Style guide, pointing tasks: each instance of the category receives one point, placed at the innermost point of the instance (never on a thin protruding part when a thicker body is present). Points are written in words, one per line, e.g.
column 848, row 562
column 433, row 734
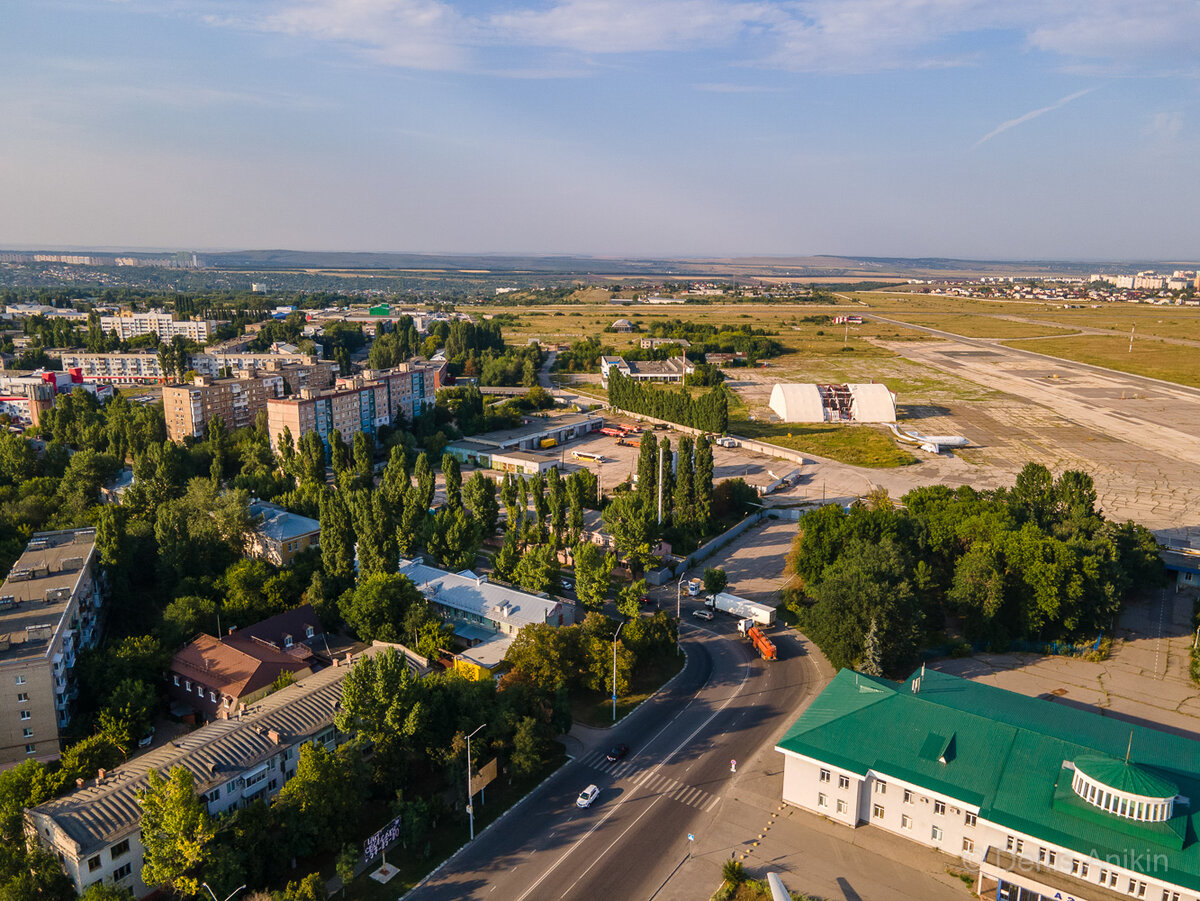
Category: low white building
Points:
column 833, row 403
column 1048, row 801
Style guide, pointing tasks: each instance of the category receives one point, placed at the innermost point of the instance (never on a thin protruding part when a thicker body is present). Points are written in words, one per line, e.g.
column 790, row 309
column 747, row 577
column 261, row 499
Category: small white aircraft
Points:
column 931, row 443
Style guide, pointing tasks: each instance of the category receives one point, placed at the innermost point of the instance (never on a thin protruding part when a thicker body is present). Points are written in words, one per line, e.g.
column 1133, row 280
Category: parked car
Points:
column 566, row 584
column 647, row 601
column 147, row 740
column 702, row 614
column 587, row 796
column 617, row 753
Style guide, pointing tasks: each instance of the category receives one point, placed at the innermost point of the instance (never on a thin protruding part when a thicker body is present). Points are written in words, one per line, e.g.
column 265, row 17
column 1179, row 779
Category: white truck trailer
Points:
column 742, row 608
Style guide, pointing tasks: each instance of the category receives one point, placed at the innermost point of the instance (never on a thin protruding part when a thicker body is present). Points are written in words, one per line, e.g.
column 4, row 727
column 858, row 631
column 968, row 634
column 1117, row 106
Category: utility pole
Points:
column 614, row 687
column 1132, row 329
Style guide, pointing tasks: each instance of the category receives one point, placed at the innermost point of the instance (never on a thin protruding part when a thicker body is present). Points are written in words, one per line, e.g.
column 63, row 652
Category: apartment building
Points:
column 188, row 408
column 128, row 368
column 49, row 609
column 1048, row 800
column 94, row 830
column 280, row 534
column 298, row 370
column 130, row 325
column 360, row 403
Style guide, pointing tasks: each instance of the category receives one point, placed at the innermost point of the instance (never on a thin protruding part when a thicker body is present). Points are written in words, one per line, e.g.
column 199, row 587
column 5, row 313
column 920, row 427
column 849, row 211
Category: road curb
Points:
column 534, row 790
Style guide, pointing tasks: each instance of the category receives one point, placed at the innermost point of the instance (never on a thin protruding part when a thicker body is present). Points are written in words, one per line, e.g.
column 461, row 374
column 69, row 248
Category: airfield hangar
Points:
column 833, row 403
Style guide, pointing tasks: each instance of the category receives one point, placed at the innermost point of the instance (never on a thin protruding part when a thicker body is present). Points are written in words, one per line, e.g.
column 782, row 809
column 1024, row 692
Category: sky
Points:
column 984, row 129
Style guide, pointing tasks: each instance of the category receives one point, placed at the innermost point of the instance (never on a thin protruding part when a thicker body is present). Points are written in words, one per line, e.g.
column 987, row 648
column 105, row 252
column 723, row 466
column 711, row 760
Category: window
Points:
column 936, row 833
column 215, row 795
column 212, row 696
column 1075, row 866
column 905, row 821
column 1083, row 868
column 22, row 697
column 1009, row 844
column 970, row 818
column 968, row 845
column 187, row 685
column 28, row 732
column 122, row 871
column 822, row 801
column 308, row 632
column 1112, row 878
column 230, row 786
column 25, row 715
column 1051, row 857
column 877, row 811
column 939, row 807
column 20, row 680
column 1103, row 876
column 843, row 781
column 121, row 847
column 30, row 749
column 1169, row 895
column 175, row 679
column 881, row 788
column 1020, row 845
column 1041, row 855
column 841, row 806
column 93, row 863
column 287, row 643
column 907, row 796
column 824, row 775
column 200, row 690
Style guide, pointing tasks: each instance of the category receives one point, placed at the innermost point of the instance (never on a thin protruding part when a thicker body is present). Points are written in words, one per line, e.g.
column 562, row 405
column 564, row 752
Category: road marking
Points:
column 713, row 804
column 683, row 744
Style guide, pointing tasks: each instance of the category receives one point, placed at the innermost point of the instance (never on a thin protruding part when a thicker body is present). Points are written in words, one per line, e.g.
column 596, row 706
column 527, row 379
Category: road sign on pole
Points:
column 733, row 766
column 691, row 838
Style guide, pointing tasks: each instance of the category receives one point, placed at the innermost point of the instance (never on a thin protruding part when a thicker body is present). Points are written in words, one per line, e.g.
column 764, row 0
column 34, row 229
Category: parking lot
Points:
column 620, row 462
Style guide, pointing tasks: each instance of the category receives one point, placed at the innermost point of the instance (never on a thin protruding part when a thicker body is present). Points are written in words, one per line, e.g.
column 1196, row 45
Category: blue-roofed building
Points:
column 1049, row 801
column 281, row 535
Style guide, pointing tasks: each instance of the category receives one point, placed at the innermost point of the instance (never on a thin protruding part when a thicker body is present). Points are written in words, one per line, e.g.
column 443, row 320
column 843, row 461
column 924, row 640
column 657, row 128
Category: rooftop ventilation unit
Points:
column 37, row 544
column 39, row 632
column 70, row 564
column 57, row 594
column 20, row 575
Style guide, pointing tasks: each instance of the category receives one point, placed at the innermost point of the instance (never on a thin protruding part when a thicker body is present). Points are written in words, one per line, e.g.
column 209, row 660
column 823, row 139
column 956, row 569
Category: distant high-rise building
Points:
column 189, row 408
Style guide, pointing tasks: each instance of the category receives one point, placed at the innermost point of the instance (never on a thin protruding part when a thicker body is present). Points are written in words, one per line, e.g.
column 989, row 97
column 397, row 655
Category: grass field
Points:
column 1177, row 363
column 858, row 445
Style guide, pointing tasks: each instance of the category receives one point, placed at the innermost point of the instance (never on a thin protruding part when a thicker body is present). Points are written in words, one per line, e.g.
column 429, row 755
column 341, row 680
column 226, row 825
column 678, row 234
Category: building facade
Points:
column 94, row 830
column 130, row 325
column 671, row 370
column 360, row 403
column 188, row 408
column 49, row 610
column 1049, row 801
column 281, row 535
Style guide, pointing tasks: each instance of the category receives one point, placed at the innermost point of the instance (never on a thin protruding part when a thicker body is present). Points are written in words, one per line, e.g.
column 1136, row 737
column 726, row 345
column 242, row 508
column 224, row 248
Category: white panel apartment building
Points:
column 1049, row 801
column 49, row 606
column 129, row 325
column 95, row 831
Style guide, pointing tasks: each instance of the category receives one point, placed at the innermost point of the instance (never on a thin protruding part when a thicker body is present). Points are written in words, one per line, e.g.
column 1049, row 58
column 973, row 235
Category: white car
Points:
column 587, row 796
column 702, row 614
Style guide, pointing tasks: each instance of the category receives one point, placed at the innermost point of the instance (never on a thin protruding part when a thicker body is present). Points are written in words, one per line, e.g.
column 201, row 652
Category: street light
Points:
column 470, row 806
column 614, row 698
column 231, row 894
column 678, row 589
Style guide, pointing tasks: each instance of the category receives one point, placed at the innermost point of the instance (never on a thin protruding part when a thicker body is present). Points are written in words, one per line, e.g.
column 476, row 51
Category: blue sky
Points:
column 968, row 128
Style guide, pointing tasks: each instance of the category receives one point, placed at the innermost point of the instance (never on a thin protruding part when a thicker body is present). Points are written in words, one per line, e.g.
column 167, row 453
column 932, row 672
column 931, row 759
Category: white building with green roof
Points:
column 1050, row 801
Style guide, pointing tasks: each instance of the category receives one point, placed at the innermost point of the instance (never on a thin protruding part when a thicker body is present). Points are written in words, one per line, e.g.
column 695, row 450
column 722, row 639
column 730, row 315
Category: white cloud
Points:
column 1032, row 114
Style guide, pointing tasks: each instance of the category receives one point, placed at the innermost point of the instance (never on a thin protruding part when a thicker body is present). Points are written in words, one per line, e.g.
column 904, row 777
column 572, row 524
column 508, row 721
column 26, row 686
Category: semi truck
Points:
column 742, row 608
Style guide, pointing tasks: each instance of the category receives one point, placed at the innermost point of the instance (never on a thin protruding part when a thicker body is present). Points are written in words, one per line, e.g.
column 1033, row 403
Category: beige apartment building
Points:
column 49, row 607
column 129, row 325
column 188, row 408
column 359, row 403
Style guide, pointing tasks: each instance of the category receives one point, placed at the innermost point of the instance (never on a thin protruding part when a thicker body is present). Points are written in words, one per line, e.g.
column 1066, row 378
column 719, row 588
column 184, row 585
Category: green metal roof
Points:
column 1005, row 753
column 1123, row 776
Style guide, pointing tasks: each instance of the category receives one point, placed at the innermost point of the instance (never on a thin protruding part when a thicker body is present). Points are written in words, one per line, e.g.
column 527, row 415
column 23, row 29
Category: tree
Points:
column 376, row 608
column 531, row 747
column 320, row 803
column 647, row 471
column 364, row 459
column 479, row 497
column 684, row 502
column 715, row 580
column 547, row 655
column 337, row 538
column 702, row 482
column 537, row 570
column 592, row 571
column 630, row 602
column 556, row 502
column 872, row 654
column 452, row 473
column 176, row 831
column 454, row 540
column 339, row 454
column 631, row 523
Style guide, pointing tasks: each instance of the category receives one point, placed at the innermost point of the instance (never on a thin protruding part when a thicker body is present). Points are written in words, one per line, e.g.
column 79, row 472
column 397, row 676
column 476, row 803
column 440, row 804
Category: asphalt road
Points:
column 725, row 704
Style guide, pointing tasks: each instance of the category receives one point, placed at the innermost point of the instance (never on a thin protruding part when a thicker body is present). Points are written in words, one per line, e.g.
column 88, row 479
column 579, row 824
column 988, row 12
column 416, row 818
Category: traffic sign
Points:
column 691, row 838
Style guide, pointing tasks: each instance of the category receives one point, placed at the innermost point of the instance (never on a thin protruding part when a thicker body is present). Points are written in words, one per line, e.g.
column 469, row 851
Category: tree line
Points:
column 709, row 411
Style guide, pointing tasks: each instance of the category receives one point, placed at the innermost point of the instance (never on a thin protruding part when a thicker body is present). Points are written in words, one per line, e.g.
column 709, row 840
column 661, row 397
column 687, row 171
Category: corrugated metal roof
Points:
column 96, row 815
column 479, row 597
column 1008, row 758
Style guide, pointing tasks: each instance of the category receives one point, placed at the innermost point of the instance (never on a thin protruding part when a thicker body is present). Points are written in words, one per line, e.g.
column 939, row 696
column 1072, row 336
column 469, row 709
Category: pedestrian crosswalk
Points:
column 652, row 782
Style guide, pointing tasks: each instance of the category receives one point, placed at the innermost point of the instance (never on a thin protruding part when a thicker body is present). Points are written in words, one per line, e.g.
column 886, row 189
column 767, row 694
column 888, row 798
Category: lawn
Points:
column 593, row 708
column 1177, row 363
column 858, row 445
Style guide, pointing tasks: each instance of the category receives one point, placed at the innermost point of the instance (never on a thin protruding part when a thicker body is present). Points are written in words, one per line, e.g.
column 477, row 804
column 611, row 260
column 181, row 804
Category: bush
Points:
column 733, row 871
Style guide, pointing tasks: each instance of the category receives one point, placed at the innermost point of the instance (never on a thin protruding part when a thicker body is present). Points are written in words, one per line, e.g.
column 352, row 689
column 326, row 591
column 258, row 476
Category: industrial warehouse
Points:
column 1050, row 801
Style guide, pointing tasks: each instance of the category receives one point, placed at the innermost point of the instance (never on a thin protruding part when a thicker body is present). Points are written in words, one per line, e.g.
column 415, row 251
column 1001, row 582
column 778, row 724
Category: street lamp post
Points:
column 470, row 806
column 614, row 686
column 678, row 591
column 231, row 894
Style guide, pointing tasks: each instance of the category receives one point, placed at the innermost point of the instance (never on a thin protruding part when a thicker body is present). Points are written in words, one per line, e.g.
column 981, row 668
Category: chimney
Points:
column 100, row 776
column 273, row 736
column 79, row 783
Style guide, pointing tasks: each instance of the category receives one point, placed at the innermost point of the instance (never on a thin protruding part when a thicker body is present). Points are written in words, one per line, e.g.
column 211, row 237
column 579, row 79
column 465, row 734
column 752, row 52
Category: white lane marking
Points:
column 713, row 804
column 683, row 744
